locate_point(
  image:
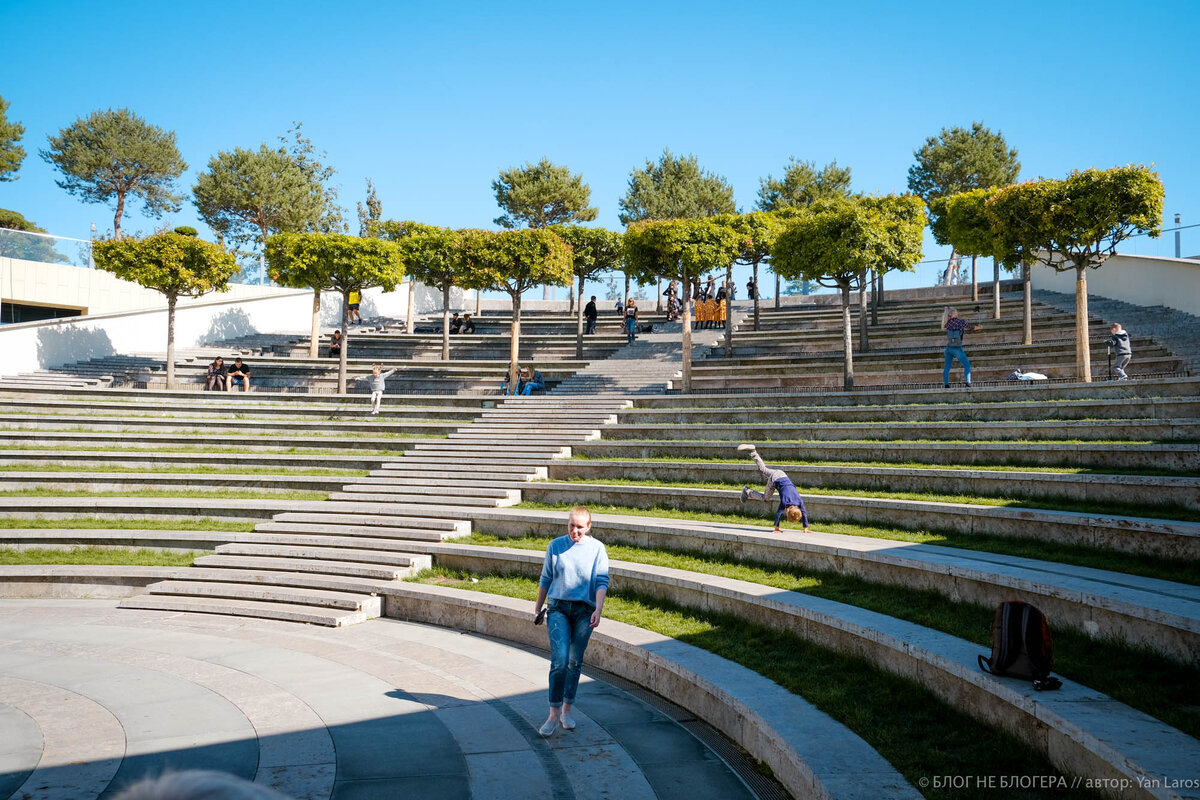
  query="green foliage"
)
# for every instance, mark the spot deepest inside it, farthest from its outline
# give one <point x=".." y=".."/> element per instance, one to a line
<point x="542" y="194"/>
<point x="593" y="250"/>
<point x="246" y="195"/>
<point x="757" y="231"/>
<point x="334" y="261"/>
<point x="115" y="154"/>
<point x="370" y="214"/>
<point x="680" y="248"/>
<point x="15" y="221"/>
<point x="1079" y="221"/>
<point x="432" y="255"/>
<point x="11" y="152"/>
<point x="518" y="260"/>
<point x="187" y="230"/>
<point x="29" y="248"/>
<point x="175" y="265"/>
<point x="961" y="221"/>
<point x="803" y="184"/>
<point x="675" y="188"/>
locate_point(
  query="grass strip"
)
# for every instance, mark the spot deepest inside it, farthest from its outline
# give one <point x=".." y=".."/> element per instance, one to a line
<point x="907" y="725"/>
<point x="317" y="434"/>
<point x="108" y="523"/>
<point x="1137" y="676"/>
<point x="1152" y="510"/>
<point x="1063" y="469"/>
<point x="1166" y="569"/>
<point x="610" y="439"/>
<point x="98" y="555"/>
<point x="214" y="449"/>
<point x="218" y="494"/>
<point x="199" y="469"/>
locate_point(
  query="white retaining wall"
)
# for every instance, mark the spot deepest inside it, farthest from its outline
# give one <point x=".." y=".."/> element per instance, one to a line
<point x="1141" y="280"/>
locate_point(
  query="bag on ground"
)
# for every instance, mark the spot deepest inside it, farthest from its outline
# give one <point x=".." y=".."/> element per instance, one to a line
<point x="1022" y="646"/>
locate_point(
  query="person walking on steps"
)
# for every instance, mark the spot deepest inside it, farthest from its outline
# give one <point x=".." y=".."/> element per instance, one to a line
<point x="378" y="383"/>
<point x="589" y="316"/>
<point x="954" y="327"/>
<point x="791" y="504"/>
<point x="1118" y="345"/>
<point x="573" y="586"/>
<point x="631" y="320"/>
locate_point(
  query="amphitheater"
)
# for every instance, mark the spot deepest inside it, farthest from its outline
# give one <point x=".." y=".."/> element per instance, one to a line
<point x="342" y="609"/>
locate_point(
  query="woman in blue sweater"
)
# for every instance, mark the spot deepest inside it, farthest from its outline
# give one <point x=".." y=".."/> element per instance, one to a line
<point x="575" y="580"/>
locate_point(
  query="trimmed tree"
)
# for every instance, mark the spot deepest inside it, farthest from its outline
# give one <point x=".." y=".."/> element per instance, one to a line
<point x="758" y="230"/>
<point x="514" y="262"/>
<point x="11" y="152"/>
<point x="959" y="160"/>
<point x="593" y="250"/>
<point x="961" y="219"/>
<point x="1077" y="223"/>
<point x="837" y="245"/>
<point x="675" y="187"/>
<point x="682" y="249"/>
<point x="174" y="264"/>
<point x="340" y="262"/>
<point x="114" y="155"/>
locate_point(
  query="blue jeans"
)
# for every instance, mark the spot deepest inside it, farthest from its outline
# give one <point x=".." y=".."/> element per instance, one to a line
<point x="953" y="353"/>
<point x="630" y="329"/>
<point x="569" y="626"/>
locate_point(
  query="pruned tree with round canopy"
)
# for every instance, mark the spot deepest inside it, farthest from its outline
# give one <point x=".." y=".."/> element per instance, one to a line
<point x="758" y="230"/>
<point x="174" y="264"/>
<point x="340" y="262"/>
<point x="904" y="217"/>
<point x="514" y="262"/>
<point x="962" y="221"/>
<point x="1076" y="223"/>
<point x="683" y="249"/>
<point x="593" y="250"/>
<point x="836" y="245"/>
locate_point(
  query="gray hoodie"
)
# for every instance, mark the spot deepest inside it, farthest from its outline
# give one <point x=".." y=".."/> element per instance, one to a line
<point x="1119" y="342"/>
<point x="377" y="381"/>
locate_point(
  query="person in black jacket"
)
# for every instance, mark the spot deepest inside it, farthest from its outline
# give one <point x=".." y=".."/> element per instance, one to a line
<point x="589" y="316"/>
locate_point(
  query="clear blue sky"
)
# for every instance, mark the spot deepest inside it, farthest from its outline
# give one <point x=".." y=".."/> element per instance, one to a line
<point x="431" y="100"/>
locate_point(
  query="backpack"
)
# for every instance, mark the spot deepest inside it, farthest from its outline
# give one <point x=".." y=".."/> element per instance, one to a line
<point x="954" y="338"/>
<point x="1021" y="645"/>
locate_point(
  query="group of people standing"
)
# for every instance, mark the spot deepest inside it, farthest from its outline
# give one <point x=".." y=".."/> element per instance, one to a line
<point x="710" y="303"/>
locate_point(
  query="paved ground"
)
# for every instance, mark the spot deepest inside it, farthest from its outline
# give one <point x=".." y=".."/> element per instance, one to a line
<point x="92" y="698"/>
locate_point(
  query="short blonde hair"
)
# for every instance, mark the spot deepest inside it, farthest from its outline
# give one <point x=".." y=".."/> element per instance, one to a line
<point x="793" y="513"/>
<point x="582" y="512"/>
<point x="199" y="785"/>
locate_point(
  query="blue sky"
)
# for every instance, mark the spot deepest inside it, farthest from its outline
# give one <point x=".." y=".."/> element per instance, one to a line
<point x="431" y="100"/>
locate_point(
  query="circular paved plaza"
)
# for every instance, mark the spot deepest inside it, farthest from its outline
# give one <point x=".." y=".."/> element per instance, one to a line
<point x="92" y="697"/>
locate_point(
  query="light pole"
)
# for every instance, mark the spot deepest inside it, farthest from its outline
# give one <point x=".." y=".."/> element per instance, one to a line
<point x="1178" y="253"/>
<point x="92" y="245"/>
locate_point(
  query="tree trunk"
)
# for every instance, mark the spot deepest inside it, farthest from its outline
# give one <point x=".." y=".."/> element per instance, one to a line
<point x="776" y="291"/>
<point x="1027" y="285"/>
<point x="658" y="300"/>
<point x="686" y="337"/>
<point x="412" y="306"/>
<point x="995" y="289"/>
<point x="847" y="339"/>
<point x="571" y="298"/>
<point x="974" y="280"/>
<point x="874" y="297"/>
<point x="345" y="341"/>
<point x="625" y="299"/>
<point x="546" y="292"/>
<point x="728" y="310"/>
<point x="880" y="304"/>
<point x="1083" y="351"/>
<point x="314" y="339"/>
<point x="478" y="302"/>
<point x="445" y="322"/>
<point x="117" y="217"/>
<point x="514" y="346"/>
<point x="864" y="335"/>
<point x="171" y="299"/>
<point x="579" y="323"/>
<point x="756" y="293"/>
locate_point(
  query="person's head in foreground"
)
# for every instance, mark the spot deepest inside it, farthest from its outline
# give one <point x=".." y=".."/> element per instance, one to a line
<point x="793" y="514"/>
<point x="198" y="784"/>
<point x="579" y="523"/>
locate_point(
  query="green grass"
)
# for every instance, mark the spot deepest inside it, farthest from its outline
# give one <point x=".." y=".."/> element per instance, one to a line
<point x="213" y="449"/>
<point x="219" y="494"/>
<point x="110" y="523"/>
<point x="199" y="469"/>
<point x="1002" y="467"/>
<point x="98" y="555"/>
<point x="1153" y="510"/>
<point x="837" y="442"/>
<point x="911" y="728"/>
<point x="320" y="434"/>
<point x="1167" y="569"/>
<point x="1141" y="678"/>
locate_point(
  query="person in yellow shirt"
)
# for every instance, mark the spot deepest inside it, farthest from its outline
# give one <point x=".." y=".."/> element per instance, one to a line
<point x="354" y="299"/>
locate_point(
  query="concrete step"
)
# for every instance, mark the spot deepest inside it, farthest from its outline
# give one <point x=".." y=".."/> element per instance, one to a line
<point x="370" y="494"/>
<point x="407" y="561"/>
<point x="281" y="564"/>
<point x="285" y="612"/>
<point x="324" y="598"/>
<point x="314" y="531"/>
<point x="485" y="496"/>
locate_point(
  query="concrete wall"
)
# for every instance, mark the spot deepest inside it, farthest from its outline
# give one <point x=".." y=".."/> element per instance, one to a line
<point x="1141" y="280"/>
<point x="211" y="319"/>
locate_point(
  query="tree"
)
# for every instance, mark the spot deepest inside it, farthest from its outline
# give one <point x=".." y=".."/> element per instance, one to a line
<point x="338" y="261"/>
<point x="835" y="246"/>
<point x="112" y="155"/>
<point x="962" y="221"/>
<point x="959" y="160"/>
<point x="758" y="230"/>
<point x="683" y="249"/>
<point x="11" y="153"/>
<point x="513" y="262"/>
<point x="674" y="188"/>
<point x="370" y="214"/>
<point x="435" y="257"/>
<point x="29" y="248"/>
<point x="593" y="250"/>
<point x="1077" y="224"/>
<point x="803" y="184"/>
<point x="904" y="219"/>
<point x="174" y="264"/>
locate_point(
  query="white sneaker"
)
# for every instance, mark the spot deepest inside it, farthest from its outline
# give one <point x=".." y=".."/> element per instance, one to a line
<point x="568" y="722"/>
<point x="745" y="448"/>
<point x="548" y="728"/>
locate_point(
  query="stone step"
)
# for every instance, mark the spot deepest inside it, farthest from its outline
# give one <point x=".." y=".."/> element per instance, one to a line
<point x="370" y="494"/>
<point x="284" y="564"/>
<point x="485" y="496"/>
<point x="404" y="478"/>
<point x="373" y="521"/>
<point x="324" y="598"/>
<point x="312" y="532"/>
<point x="408" y="561"/>
<point x="285" y="612"/>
